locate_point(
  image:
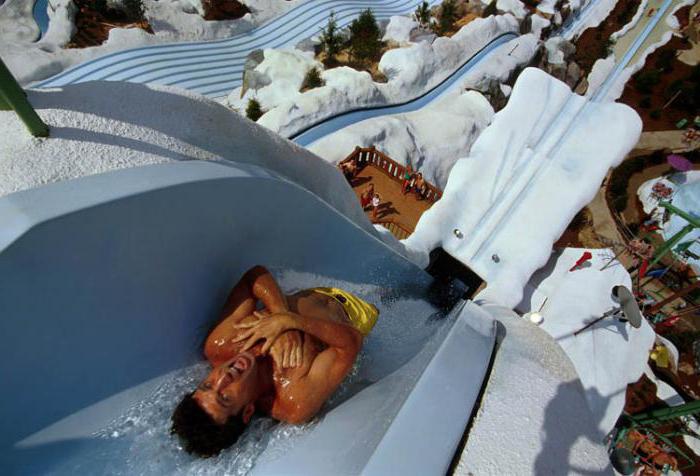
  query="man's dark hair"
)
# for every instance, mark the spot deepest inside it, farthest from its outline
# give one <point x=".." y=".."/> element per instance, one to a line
<point x="201" y="435"/>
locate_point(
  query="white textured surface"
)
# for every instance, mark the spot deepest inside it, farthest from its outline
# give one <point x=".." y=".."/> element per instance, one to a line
<point x="431" y="139"/>
<point x="618" y="85"/>
<point x="170" y="20"/>
<point x="592" y="17"/>
<point x="608" y="355"/>
<point x="515" y="7"/>
<point x="101" y="126"/>
<point x="547" y="151"/>
<point x="399" y="30"/>
<point x="533" y="411"/>
<point x="435" y="137"/>
<point x="411" y="71"/>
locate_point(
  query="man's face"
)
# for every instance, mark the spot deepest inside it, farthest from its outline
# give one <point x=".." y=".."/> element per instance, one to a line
<point x="228" y="388"/>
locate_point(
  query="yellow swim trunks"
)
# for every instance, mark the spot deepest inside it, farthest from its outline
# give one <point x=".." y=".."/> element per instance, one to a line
<point x="362" y="314"/>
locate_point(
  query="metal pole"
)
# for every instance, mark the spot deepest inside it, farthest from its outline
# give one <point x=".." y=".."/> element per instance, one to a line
<point x="12" y="95"/>
<point x="665" y="414"/>
<point x="675" y="239"/>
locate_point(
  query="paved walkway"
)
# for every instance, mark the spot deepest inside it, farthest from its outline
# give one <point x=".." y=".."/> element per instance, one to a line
<point x="402" y="209"/>
<point x="656" y="140"/>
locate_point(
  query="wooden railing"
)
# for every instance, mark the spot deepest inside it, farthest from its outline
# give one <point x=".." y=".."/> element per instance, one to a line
<point x="370" y="155"/>
<point x="397" y="230"/>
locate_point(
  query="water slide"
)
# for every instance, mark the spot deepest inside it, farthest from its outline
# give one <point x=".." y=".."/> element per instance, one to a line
<point x="132" y="267"/>
<point x="215" y="68"/>
<point x="332" y="124"/>
<point x="116" y="277"/>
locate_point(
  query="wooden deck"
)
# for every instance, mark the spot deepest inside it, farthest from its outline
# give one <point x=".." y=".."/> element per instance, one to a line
<point x="405" y="210"/>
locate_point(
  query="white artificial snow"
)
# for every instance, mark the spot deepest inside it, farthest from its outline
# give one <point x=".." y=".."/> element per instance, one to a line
<point x="555" y="55"/>
<point x="548" y="7"/>
<point x="618" y="84"/>
<point x="410" y="71"/>
<point x="171" y="21"/>
<point x="516" y="7"/>
<point x="103" y="126"/>
<point x="608" y="355"/>
<point x="633" y="22"/>
<point x="17" y="22"/>
<point x="538" y="24"/>
<point x="533" y="411"/>
<point x="430" y="139"/>
<point x="540" y="161"/>
<point x="600" y="71"/>
<point x="399" y="30"/>
<point x="593" y="16"/>
<point x="433" y="138"/>
<point x="288" y="67"/>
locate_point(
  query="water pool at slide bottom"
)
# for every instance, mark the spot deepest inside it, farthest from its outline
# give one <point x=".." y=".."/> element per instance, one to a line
<point x="406" y="336"/>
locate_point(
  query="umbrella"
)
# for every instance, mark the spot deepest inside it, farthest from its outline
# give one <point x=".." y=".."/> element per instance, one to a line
<point x="679" y="162"/>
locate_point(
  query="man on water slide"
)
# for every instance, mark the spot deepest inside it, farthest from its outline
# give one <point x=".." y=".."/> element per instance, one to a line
<point x="283" y="360"/>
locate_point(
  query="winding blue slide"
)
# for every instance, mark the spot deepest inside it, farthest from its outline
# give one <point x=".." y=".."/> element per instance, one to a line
<point x="215" y="68"/>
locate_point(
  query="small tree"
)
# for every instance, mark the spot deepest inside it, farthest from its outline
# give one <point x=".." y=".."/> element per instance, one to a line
<point x="423" y="15"/>
<point x="331" y="40"/>
<point x="312" y="79"/>
<point x="448" y="16"/>
<point x="133" y="9"/>
<point x="101" y="6"/>
<point x="365" y="36"/>
<point x="490" y="10"/>
<point x="253" y="111"/>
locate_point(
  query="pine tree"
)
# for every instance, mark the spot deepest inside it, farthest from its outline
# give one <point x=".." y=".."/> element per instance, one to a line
<point x="253" y="111"/>
<point x="490" y="10"/>
<point x="423" y="14"/>
<point x="448" y="16"/>
<point x="331" y="40"/>
<point x="133" y="9"/>
<point x="365" y="36"/>
<point x="101" y="6"/>
<point x="312" y="79"/>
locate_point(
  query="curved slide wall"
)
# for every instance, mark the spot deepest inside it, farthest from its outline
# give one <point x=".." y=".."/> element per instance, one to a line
<point x="116" y="277"/>
<point x="214" y="68"/>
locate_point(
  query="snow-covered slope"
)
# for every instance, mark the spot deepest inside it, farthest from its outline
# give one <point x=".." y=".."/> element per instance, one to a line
<point x="102" y="126"/>
<point x="432" y="138"/>
<point x="171" y="21"/>
<point x="608" y="355"/>
<point x="411" y="71"/>
<point x="215" y="68"/>
<point x="540" y="161"/>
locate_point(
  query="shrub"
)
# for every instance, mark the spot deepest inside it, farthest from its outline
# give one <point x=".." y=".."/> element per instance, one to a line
<point x="665" y="60"/>
<point x="448" y="16"/>
<point x="312" y="79"/>
<point x="101" y="6"/>
<point x="365" y="42"/>
<point x="133" y="9"/>
<point x="423" y="15"/>
<point x="645" y="81"/>
<point x="331" y="40"/>
<point x="253" y="111"/>
<point x="490" y="9"/>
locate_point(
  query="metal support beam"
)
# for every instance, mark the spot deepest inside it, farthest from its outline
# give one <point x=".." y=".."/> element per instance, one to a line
<point x="670" y="244"/>
<point x="665" y="414"/>
<point x="681" y="213"/>
<point x="12" y="96"/>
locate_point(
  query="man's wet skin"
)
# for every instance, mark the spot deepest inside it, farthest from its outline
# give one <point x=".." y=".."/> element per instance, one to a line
<point x="284" y="360"/>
